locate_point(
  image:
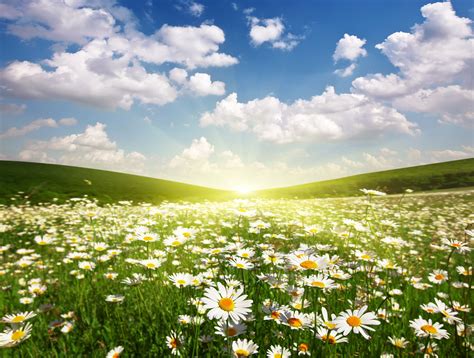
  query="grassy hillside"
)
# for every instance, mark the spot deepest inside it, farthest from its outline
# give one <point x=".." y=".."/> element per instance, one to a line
<point x="43" y="182"/>
<point x="455" y="174"/>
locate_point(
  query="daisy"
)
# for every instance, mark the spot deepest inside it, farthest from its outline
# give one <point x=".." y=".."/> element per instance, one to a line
<point x="307" y="262"/>
<point x="147" y="237"/>
<point x="457" y="245"/>
<point x="320" y="281"/>
<point x="226" y="302"/>
<point x="241" y="264"/>
<point x="115" y="298"/>
<point x="447" y="312"/>
<point x="325" y="321"/>
<point x="150" y="264"/>
<point x="181" y="279"/>
<point x="87" y="265"/>
<point x="174" y="341"/>
<point x="174" y="241"/>
<point x="296" y="320"/>
<point x="398" y="342"/>
<point x="115" y="352"/>
<point x="302" y="349"/>
<point x="278" y="352"/>
<point x="357" y="321"/>
<point x="230" y="329"/>
<point x="244" y="348"/>
<point x="438" y="276"/>
<point x="186" y="233"/>
<point x="18" y="318"/>
<point x="424" y="328"/>
<point x="331" y="337"/>
<point x="13" y="337"/>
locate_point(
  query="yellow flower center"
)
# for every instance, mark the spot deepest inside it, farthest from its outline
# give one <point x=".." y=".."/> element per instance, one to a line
<point x="439" y="277"/>
<point x="187" y="235"/>
<point x="329" y="325"/>
<point x="309" y="264"/>
<point x="116" y="355"/>
<point x="428" y="328"/>
<point x="245" y="254"/>
<point x="17" y="335"/>
<point x="18" y="319"/>
<point x="227" y="304"/>
<point x="181" y="282"/>
<point x="174" y="343"/>
<point x="242" y="352"/>
<point x="318" y="284"/>
<point x="275" y="315"/>
<point x="365" y="257"/>
<point x="176" y="243"/>
<point x="303" y="347"/>
<point x="239" y="265"/>
<point x="331" y="339"/>
<point x="353" y="321"/>
<point x="150" y="265"/>
<point x="295" y="322"/>
<point x="148" y="238"/>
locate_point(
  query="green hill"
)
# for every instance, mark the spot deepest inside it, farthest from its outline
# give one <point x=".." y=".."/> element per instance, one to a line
<point x="43" y="182"/>
<point x="447" y="175"/>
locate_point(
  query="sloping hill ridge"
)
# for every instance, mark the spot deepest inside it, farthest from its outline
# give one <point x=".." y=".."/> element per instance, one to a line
<point x="44" y="182"/>
<point x="446" y="175"/>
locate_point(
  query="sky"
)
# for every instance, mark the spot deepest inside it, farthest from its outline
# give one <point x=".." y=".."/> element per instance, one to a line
<point x="236" y="94"/>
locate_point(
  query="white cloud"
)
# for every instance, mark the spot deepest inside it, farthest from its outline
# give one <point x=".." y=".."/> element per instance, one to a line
<point x="107" y="71"/>
<point x="272" y="31"/>
<point x="350" y="48"/>
<point x="327" y="117"/>
<point x="196" y="9"/>
<point x="90" y="76"/>
<point x="201" y="84"/>
<point x="436" y="52"/>
<point x="347" y="71"/>
<point x="452" y="104"/>
<point x="199" y="152"/>
<point x="91" y="148"/>
<point x="56" y="20"/>
<point x="35" y="125"/>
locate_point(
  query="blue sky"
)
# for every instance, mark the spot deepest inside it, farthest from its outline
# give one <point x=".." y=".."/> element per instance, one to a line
<point x="244" y="94"/>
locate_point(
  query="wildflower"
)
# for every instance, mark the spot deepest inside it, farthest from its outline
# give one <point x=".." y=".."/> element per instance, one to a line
<point x="12" y="337"/>
<point x="438" y="276"/>
<point x="87" y="265"/>
<point x="456" y="245"/>
<point x="329" y="336"/>
<point x="150" y="264"/>
<point x="115" y="352"/>
<point x="424" y="328"/>
<point x="226" y="302"/>
<point x="115" y="298"/>
<point x="67" y="327"/>
<point x="244" y="348"/>
<point x="398" y="342"/>
<point x="278" y="352"/>
<point x="230" y="329"/>
<point x="147" y="237"/>
<point x="302" y="349"/>
<point x="241" y="264"/>
<point x="181" y="279"/>
<point x="18" y="318"/>
<point x="308" y="262"/>
<point x="174" y="341"/>
<point x="296" y="320"/>
<point x="320" y="281"/>
<point x="357" y="321"/>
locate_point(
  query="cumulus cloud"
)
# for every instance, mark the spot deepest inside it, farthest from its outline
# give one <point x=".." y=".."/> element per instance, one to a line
<point x="437" y="52"/>
<point x="35" y="125"/>
<point x="198" y="153"/>
<point x="327" y="117"/>
<point x="453" y="104"/>
<point x="273" y="32"/>
<point x="108" y="70"/>
<point x="91" y="148"/>
<point x="199" y="84"/>
<point x="349" y="48"/>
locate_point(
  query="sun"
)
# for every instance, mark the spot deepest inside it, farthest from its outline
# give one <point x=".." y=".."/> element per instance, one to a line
<point x="241" y="189"/>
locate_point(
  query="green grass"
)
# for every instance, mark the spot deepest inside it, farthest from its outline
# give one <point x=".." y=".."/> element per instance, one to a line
<point x="447" y="175"/>
<point x="44" y="182"/>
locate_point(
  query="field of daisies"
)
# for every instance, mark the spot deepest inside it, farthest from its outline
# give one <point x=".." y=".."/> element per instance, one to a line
<point x="371" y="276"/>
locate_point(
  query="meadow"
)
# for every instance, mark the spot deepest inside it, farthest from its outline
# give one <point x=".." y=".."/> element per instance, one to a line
<point x="371" y="276"/>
